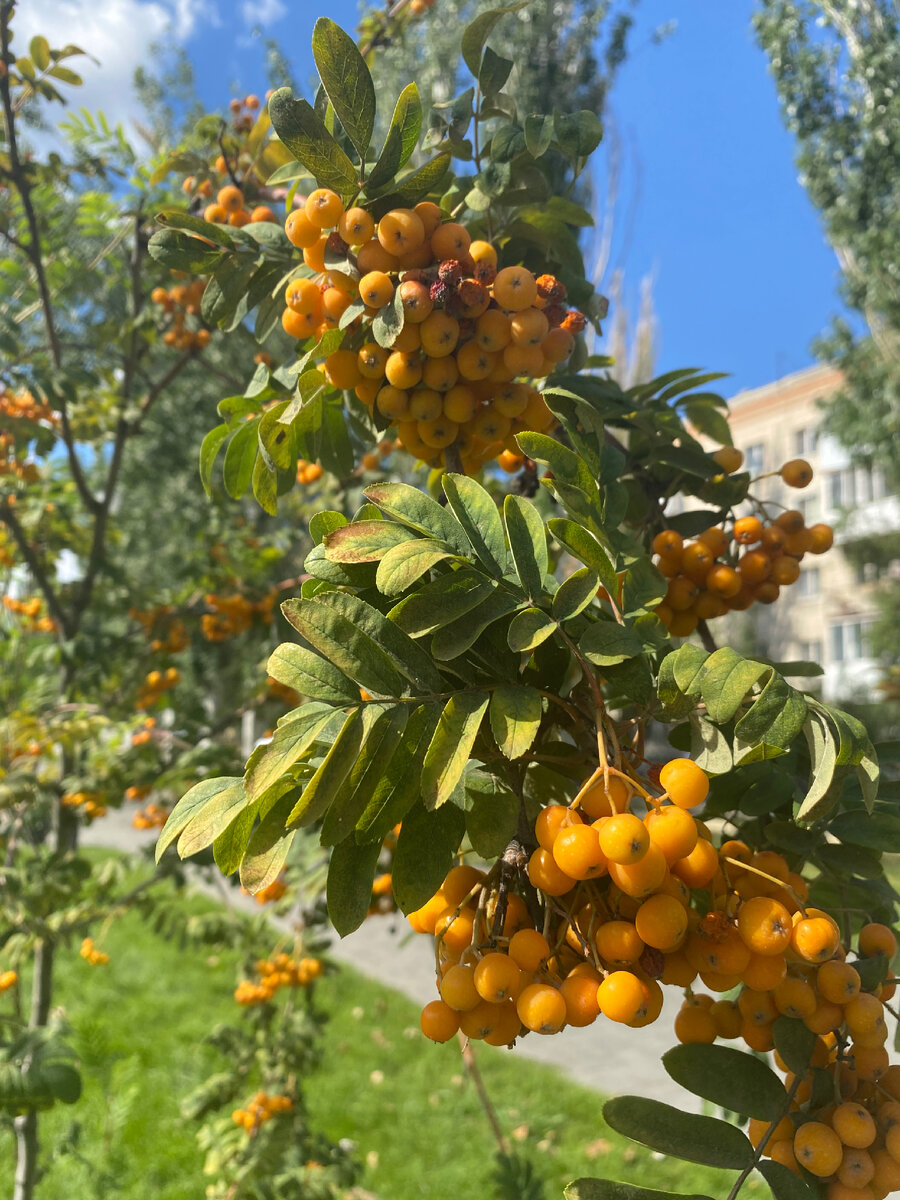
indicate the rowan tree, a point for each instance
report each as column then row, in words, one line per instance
column 472, row 743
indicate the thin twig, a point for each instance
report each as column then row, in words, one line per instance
column 490, row 1112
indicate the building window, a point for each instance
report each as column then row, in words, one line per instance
column 811, row 651
column 842, row 488
column 806, row 441
column 849, row 641
column 809, row 583
column 754, row 459
column 868, row 572
column 811, row 507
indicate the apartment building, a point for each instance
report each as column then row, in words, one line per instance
column 825, row 616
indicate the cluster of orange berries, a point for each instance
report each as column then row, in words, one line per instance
column 707, row 579
column 8, row 979
column 156, row 685
column 260, row 1109
column 32, row 613
column 801, row 971
column 92, row 805
column 17, row 406
column 617, row 890
column 471, row 336
column 228, row 209
column 630, row 903
column 308, row 472
column 180, row 302
column 232, row 615
column 137, row 792
column 145, row 734
column 167, row 632
column 280, row 972
column 89, row 952
column 153, row 816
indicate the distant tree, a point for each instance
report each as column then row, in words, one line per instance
column 836, row 66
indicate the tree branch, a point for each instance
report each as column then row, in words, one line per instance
column 34, row 255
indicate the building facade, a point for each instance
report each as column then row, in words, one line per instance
column 826, row 615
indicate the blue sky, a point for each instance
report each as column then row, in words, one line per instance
column 744, row 280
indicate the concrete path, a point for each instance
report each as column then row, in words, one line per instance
column 611, row 1058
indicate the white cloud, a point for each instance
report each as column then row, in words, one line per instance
column 262, row 12
column 117, row 33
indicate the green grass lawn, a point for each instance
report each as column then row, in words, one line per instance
column 409, row 1106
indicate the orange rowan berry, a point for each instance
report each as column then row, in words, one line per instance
column 668, row 542
column 697, row 561
column 661, row 922
column 747, row 530
column 818, row 1148
column 729, row 459
column 686, row 783
column 549, row 822
column 624, row 839
column 231, row 198
column 356, row 226
column 854, row 1125
column 438, row 1021
column 794, row 998
column 694, row 1024
column 455, row 929
column 622, row 997
column 641, row 878
column 864, row 1014
column 341, row 369
column 765, row 925
column 814, row 939
column 497, row 977
column 541, row 1008
column 300, row 230
column 528, row 948
column 821, row 538
column 577, row 851
column 618, row 943
column 403, row 370
column 216, row 214
column 298, row 325
column 797, row 473
column 324, row 208
column 451, row 241
column 727, row 1019
column 545, row 875
column 698, row 867
column 459, row 883
column 580, row 995
column 600, row 801
column 504, row 1022
column 393, row 403
column 376, row 289
column 515, row 288
column 723, row 581
column 314, row 255
column 401, row 230
column 877, row 939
